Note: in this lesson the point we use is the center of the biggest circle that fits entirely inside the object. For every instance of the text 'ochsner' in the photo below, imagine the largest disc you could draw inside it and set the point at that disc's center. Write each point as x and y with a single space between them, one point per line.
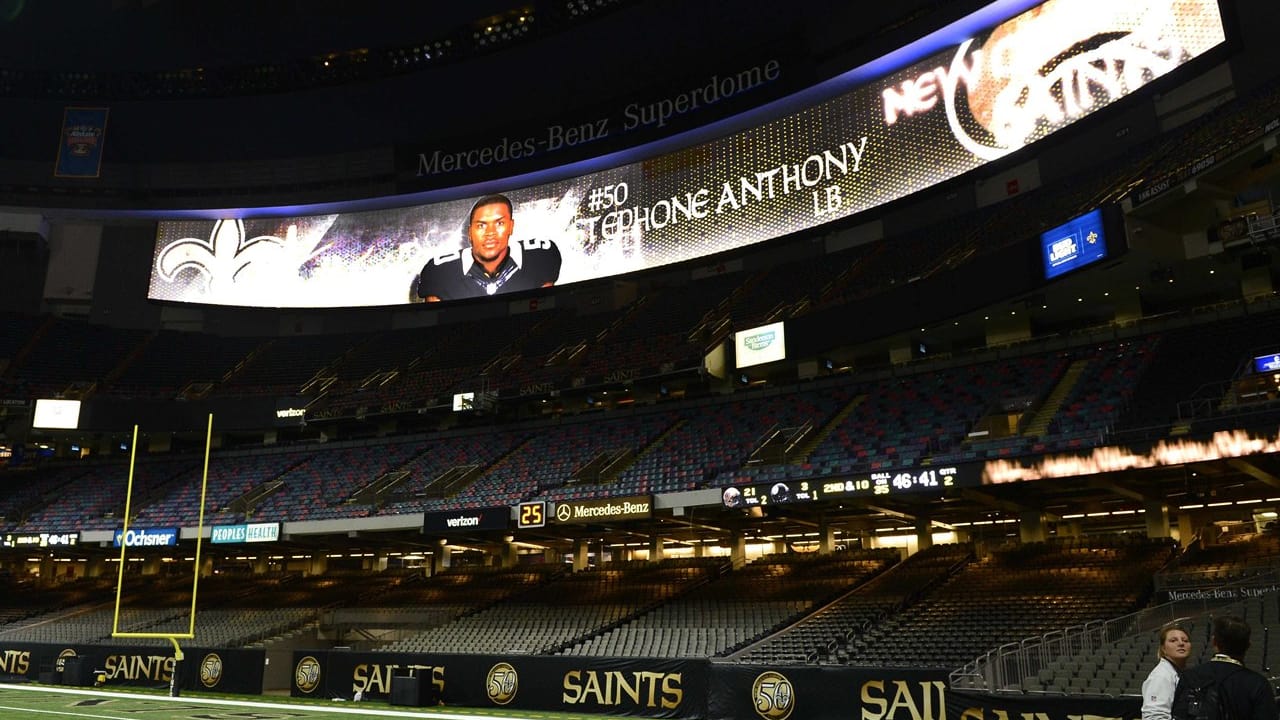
147 538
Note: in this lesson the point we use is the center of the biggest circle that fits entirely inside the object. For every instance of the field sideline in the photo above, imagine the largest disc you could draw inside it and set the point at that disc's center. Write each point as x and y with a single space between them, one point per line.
30 702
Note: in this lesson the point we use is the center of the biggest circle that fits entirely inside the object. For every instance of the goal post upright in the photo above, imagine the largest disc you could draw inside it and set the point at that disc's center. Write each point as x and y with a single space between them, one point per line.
195 581
204 487
124 530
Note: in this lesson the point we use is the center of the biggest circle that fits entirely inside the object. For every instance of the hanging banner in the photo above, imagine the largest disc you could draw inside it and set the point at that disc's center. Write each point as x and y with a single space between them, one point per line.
80 144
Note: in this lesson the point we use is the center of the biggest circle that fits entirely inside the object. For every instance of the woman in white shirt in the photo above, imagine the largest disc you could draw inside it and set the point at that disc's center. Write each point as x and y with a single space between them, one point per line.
1157 690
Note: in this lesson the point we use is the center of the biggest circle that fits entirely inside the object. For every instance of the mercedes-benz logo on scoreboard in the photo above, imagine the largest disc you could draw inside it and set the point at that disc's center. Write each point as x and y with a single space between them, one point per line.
620 508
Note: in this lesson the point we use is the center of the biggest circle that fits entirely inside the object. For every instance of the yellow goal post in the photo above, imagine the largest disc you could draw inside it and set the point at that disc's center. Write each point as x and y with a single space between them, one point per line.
195 581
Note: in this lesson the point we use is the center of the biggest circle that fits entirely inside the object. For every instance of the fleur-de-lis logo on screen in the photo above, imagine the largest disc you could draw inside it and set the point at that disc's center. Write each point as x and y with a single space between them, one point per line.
224 256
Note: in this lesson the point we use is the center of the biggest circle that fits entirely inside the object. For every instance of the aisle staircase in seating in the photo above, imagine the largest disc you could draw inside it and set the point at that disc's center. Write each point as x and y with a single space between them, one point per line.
128 360
607 465
15 362
1038 425
660 437
452 481
457 478
245 362
800 454
383 488
779 444
254 496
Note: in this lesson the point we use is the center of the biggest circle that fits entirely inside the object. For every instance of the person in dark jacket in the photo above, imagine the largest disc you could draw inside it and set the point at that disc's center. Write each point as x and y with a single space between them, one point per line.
1248 694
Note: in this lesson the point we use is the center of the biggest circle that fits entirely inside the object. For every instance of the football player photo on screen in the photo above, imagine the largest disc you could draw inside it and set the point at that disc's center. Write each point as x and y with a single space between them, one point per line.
490 262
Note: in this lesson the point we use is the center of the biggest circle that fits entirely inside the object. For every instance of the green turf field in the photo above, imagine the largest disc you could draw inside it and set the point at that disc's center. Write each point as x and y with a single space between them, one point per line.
32 702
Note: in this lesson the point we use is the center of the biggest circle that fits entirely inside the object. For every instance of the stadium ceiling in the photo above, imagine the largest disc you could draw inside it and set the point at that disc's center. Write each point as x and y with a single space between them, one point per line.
141 35
169 35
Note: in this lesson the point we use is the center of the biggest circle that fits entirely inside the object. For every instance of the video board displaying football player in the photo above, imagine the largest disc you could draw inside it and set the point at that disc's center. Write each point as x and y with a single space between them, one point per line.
490 263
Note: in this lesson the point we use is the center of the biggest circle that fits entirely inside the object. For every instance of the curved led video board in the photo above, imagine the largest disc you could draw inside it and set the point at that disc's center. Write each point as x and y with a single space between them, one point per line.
936 118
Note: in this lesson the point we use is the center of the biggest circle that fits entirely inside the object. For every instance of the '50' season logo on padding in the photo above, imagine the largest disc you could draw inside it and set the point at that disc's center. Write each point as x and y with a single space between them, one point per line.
211 670
502 683
307 674
773 695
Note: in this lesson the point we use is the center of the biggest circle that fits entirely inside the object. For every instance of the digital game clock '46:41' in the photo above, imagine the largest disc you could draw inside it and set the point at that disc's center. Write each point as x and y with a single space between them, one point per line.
910 479
924 479
882 482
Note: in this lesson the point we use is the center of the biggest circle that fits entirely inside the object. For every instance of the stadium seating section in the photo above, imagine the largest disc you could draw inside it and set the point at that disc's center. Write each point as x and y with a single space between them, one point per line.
942 607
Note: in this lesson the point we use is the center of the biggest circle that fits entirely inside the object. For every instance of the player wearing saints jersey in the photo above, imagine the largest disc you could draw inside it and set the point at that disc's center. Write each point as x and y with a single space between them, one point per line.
492 263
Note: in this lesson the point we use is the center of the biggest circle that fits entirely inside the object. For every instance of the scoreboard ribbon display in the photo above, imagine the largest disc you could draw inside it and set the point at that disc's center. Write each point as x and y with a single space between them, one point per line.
39 540
245 533
531 514
634 507
873 484
965 96
488 518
